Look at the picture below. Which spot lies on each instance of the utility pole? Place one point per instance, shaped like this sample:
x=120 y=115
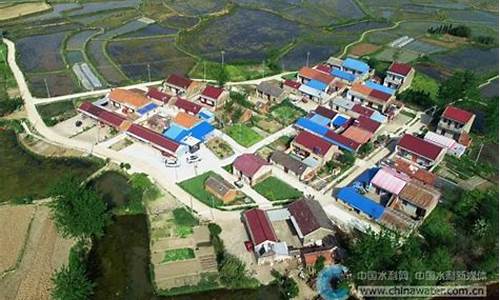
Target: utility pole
x=307 y=59
x=479 y=153
x=222 y=58
x=204 y=70
x=149 y=72
x=46 y=87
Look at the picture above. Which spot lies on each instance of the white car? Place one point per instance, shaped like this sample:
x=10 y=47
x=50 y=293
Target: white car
x=192 y=159
x=171 y=163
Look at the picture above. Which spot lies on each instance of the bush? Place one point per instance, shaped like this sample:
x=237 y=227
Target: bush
x=23 y=200
x=8 y=106
x=184 y=218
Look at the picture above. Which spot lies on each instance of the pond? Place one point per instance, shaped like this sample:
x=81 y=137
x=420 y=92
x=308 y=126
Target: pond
x=113 y=187
x=41 y=53
x=119 y=264
x=26 y=174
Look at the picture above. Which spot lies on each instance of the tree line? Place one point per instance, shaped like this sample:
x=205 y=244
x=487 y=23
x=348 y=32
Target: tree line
x=459 y=30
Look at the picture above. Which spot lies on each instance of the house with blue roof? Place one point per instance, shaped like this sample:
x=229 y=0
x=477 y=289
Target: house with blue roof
x=313 y=94
x=360 y=203
x=346 y=76
x=355 y=66
x=380 y=87
x=176 y=133
x=318 y=85
x=311 y=126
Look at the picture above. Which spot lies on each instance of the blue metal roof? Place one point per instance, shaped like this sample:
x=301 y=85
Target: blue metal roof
x=357 y=65
x=343 y=75
x=360 y=202
x=339 y=120
x=201 y=130
x=315 y=84
x=206 y=115
x=176 y=133
x=320 y=120
x=379 y=87
x=311 y=126
x=147 y=108
x=366 y=177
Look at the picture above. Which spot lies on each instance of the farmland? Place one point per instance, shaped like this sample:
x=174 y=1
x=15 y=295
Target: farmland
x=41 y=53
x=23 y=9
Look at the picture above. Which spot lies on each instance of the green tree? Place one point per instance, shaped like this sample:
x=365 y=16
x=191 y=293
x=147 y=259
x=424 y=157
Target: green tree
x=233 y=272
x=71 y=281
x=319 y=264
x=77 y=210
x=288 y=287
x=461 y=85
x=221 y=76
x=422 y=99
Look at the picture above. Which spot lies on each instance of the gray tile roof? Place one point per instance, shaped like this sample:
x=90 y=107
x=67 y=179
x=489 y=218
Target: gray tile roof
x=269 y=88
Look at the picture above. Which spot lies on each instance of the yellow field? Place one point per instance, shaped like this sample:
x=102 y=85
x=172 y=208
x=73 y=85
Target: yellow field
x=23 y=9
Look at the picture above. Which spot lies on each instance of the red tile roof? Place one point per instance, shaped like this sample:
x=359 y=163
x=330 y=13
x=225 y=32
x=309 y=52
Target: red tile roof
x=325 y=112
x=156 y=94
x=259 y=226
x=362 y=110
x=323 y=68
x=457 y=114
x=154 y=138
x=249 y=164
x=380 y=95
x=212 y=92
x=292 y=84
x=414 y=171
x=188 y=106
x=315 y=74
x=313 y=143
x=343 y=140
x=101 y=114
x=179 y=81
x=420 y=146
x=367 y=124
x=398 y=68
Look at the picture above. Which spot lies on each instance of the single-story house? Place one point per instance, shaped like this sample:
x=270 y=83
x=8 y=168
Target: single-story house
x=420 y=151
x=359 y=203
x=310 y=221
x=307 y=74
x=354 y=66
x=270 y=91
x=334 y=63
x=291 y=87
x=187 y=106
x=213 y=97
x=325 y=112
x=127 y=100
x=453 y=147
x=100 y=114
x=221 y=189
x=357 y=134
x=308 y=145
x=291 y=165
x=155 y=94
x=251 y=168
x=417 y=200
x=310 y=255
x=414 y=171
x=158 y=141
x=266 y=246
x=177 y=84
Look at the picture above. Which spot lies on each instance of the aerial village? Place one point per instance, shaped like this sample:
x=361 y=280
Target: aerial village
x=353 y=158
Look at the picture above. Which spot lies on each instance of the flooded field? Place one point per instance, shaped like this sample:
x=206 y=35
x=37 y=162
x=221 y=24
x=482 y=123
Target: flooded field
x=297 y=57
x=161 y=55
x=152 y=30
x=78 y=40
x=41 y=53
x=253 y=34
x=95 y=51
x=58 y=84
x=196 y=7
x=474 y=59
x=181 y=21
x=94 y=7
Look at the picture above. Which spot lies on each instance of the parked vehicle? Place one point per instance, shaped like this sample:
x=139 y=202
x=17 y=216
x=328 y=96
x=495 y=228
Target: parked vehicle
x=171 y=163
x=192 y=159
x=238 y=183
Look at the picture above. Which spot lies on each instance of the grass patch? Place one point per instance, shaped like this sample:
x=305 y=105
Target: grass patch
x=243 y=135
x=196 y=187
x=235 y=72
x=422 y=82
x=275 y=189
x=229 y=168
x=286 y=113
x=408 y=114
x=178 y=254
x=56 y=112
x=7 y=80
x=184 y=218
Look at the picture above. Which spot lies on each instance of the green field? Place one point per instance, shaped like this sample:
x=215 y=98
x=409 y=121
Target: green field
x=286 y=113
x=275 y=189
x=7 y=80
x=184 y=222
x=56 y=112
x=25 y=174
x=243 y=135
x=178 y=254
x=196 y=188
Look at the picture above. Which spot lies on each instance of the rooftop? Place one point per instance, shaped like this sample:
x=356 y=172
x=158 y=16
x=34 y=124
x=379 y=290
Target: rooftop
x=414 y=171
x=389 y=181
x=218 y=184
x=309 y=215
x=212 y=92
x=420 y=196
x=419 y=146
x=399 y=68
x=380 y=87
x=325 y=112
x=457 y=114
x=292 y=84
x=153 y=137
x=128 y=97
x=188 y=106
x=287 y=161
x=350 y=196
x=343 y=75
x=156 y=94
x=185 y=120
x=367 y=124
x=315 y=74
x=270 y=88
x=101 y=114
x=355 y=64
x=249 y=164
x=313 y=143
x=259 y=226
x=357 y=134
x=179 y=81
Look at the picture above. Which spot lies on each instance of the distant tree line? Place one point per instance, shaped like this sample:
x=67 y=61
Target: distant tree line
x=459 y=30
